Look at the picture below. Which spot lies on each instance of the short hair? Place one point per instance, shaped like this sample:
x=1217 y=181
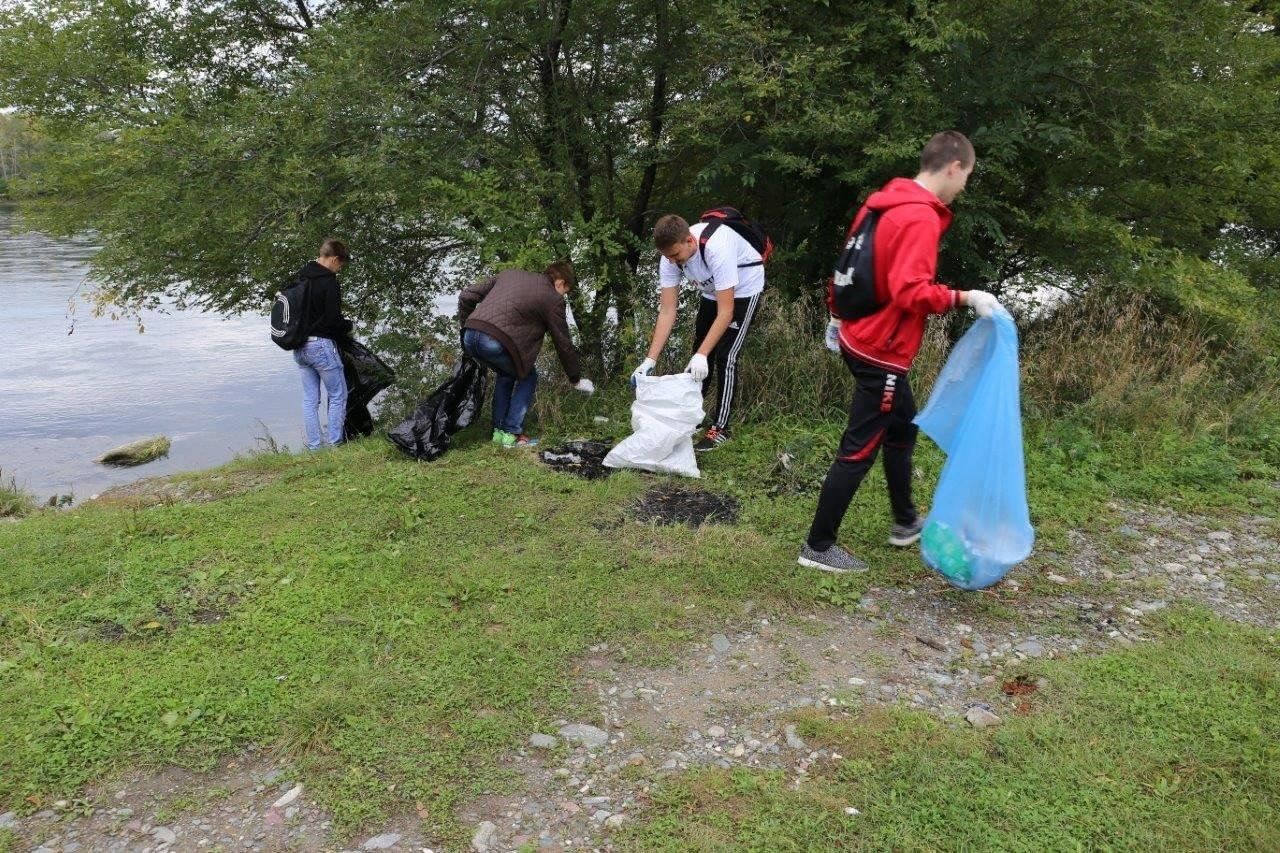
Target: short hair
x=562 y=270
x=332 y=247
x=668 y=231
x=946 y=148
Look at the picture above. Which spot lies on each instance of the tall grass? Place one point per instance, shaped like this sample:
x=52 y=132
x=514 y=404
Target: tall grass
x=1111 y=367
x=1120 y=370
x=14 y=501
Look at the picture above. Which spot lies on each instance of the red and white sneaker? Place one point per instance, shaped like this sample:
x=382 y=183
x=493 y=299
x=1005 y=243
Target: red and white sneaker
x=712 y=439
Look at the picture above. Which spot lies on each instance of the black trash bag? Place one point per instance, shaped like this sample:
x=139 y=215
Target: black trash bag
x=451 y=407
x=367 y=376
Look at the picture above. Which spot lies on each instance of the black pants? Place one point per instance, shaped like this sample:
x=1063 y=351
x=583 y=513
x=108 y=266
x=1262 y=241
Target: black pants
x=881 y=413
x=723 y=360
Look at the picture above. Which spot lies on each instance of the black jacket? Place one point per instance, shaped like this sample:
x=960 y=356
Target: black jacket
x=324 y=303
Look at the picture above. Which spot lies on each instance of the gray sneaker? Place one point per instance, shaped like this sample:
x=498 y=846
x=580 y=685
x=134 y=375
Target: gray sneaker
x=903 y=535
x=835 y=559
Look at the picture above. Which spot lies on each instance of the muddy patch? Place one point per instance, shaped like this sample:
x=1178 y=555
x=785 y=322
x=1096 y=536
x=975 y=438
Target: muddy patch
x=693 y=507
x=108 y=631
x=583 y=459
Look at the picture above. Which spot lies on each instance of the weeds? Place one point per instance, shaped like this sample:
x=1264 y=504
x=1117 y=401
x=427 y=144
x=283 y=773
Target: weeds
x=14 y=501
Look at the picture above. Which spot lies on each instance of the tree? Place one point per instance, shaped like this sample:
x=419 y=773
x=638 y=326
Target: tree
x=213 y=147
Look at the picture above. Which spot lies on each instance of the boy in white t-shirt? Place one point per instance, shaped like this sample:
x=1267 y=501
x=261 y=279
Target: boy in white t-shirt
x=730 y=274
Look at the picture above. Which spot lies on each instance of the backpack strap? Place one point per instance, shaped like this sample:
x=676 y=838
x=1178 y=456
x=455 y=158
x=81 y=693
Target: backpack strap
x=712 y=224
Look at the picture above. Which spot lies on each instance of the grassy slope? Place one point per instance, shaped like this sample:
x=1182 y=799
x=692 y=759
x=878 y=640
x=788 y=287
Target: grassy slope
x=394 y=627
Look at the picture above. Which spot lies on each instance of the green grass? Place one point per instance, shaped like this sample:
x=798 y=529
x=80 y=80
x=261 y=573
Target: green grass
x=1169 y=746
x=388 y=625
x=392 y=628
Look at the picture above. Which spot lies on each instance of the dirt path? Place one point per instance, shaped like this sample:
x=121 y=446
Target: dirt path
x=729 y=700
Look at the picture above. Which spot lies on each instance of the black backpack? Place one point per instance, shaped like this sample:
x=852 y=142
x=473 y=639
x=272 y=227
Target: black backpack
x=743 y=227
x=289 y=326
x=853 y=285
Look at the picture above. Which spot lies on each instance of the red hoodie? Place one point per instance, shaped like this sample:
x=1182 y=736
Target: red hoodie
x=912 y=222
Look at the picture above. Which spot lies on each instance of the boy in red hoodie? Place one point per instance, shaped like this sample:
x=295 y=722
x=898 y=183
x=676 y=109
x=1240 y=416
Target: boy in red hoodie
x=879 y=348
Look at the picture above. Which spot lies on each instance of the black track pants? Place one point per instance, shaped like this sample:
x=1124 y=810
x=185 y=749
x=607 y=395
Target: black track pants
x=881 y=413
x=723 y=362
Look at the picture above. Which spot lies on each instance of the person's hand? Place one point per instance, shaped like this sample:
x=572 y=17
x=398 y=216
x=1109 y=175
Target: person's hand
x=584 y=385
x=832 y=338
x=982 y=303
x=697 y=367
x=646 y=367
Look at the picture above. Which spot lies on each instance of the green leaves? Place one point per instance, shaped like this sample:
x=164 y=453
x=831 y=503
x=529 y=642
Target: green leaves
x=212 y=149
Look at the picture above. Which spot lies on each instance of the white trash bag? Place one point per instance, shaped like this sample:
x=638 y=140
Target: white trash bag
x=664 y=416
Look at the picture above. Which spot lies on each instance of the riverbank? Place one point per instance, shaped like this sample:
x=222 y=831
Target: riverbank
x=391 y=636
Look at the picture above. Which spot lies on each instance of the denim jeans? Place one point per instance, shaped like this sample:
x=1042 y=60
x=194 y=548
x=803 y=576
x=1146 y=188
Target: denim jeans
x=512 y=396
x=319 y=363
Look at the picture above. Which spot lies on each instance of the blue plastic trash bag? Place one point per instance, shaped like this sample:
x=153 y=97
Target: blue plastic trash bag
x=979 y=526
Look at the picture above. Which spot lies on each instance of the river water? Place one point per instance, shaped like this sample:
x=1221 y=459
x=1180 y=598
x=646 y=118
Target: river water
x=215 y=386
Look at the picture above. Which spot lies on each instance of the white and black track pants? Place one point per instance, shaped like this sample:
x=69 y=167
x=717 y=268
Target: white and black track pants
x=724 y=358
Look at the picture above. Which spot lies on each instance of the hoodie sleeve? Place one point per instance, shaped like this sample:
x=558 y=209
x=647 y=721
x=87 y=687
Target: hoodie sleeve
x=471 y=296
x=558 y=326
x=914 y=267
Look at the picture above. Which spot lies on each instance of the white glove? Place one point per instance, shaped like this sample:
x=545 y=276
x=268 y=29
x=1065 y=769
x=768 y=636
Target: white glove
x=832 y=337
x=697 y=367
x=982 y=303
x=584 y=385
x=646 y=367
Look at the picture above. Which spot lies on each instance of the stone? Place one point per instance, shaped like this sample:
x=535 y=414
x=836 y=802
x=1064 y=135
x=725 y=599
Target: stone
x=1128 y=532
x=9 y=820
x=940 y=679
x=1058 y=579
x=1030 y=648
x=981 y=718
x=486 y=837
x=793 y=740
x=541 y=741
x=585 y=734
x=720 y=643
x=1220 y=535
x=615 y=821
x=292 y=794
x=715 y=731
x=385 y=841
x=601 y=815
x=164 y=835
